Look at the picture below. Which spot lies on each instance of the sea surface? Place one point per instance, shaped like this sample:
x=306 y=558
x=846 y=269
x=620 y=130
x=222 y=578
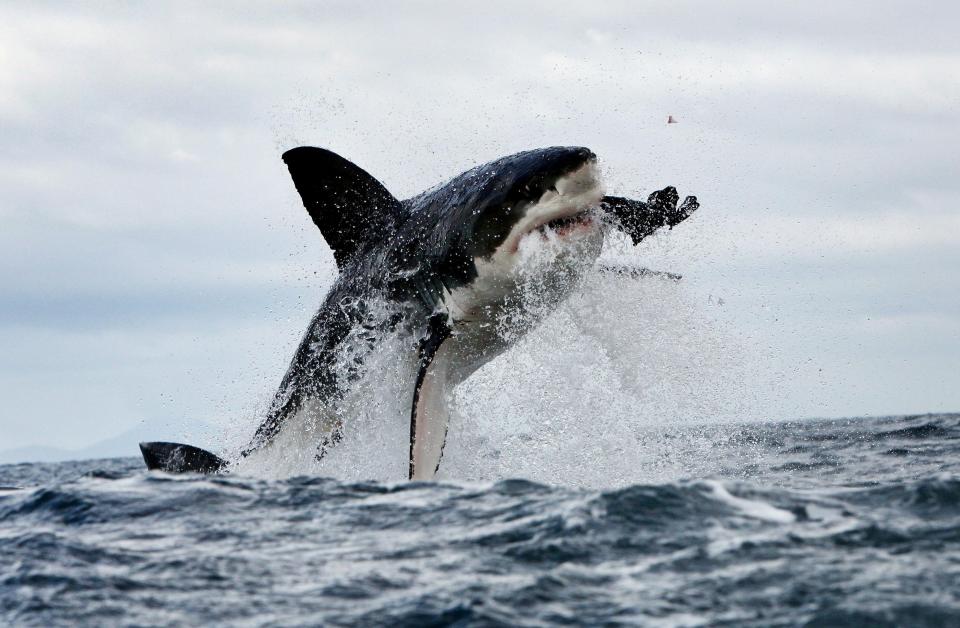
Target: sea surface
x=825 y=523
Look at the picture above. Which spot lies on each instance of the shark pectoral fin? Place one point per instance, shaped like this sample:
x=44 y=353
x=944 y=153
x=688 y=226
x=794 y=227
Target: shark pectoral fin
x=428 y=416
x=640 y=219
x=179 y=458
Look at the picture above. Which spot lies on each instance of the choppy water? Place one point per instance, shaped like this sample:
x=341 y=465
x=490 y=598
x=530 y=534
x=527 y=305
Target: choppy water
x=853 y=522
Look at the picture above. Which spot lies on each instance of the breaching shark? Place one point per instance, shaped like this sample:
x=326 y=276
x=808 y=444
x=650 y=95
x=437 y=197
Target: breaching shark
x=445 y=267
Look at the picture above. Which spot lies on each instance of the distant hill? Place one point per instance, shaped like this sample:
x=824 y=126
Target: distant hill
x=120 y=446
x=35 y=453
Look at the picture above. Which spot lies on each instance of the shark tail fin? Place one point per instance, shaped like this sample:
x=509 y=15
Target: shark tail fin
x=178 y=458
x=344 y=201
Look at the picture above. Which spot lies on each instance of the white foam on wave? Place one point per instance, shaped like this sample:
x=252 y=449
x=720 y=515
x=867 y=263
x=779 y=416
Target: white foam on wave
x=752 y=508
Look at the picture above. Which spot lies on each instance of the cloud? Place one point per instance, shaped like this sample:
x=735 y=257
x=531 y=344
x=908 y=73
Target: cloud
x=142 y=196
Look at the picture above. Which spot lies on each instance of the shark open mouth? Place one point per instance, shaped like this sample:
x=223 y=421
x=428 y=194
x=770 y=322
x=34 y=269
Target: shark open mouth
x=564 y=209
x=567 y=224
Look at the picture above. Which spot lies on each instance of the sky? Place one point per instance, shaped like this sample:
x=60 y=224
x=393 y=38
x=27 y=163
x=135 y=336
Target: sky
x=157 y=269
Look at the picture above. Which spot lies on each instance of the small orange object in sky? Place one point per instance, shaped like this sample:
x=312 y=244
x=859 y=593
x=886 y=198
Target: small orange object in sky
x=671 y=120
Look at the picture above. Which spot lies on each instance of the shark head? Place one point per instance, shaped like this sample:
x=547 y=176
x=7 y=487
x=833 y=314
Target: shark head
x=528 y=194
x=488 y=220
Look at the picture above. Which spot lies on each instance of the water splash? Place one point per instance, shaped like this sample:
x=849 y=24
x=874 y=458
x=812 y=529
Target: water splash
x=624 y=383
x=614 y=388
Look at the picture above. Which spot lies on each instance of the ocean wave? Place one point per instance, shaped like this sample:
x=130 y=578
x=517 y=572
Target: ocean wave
x=874 y=540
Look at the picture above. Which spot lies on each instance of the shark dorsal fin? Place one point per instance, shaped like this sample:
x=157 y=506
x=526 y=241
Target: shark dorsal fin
x=344 y=201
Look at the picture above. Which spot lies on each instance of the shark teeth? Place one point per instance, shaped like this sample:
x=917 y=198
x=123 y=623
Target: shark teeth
x=563 y=223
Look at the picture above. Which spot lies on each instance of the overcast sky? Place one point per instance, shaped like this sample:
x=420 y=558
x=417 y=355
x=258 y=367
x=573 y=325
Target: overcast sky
x=157 y=269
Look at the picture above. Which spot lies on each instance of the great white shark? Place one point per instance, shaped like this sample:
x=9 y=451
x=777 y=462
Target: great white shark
x=445 y=267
